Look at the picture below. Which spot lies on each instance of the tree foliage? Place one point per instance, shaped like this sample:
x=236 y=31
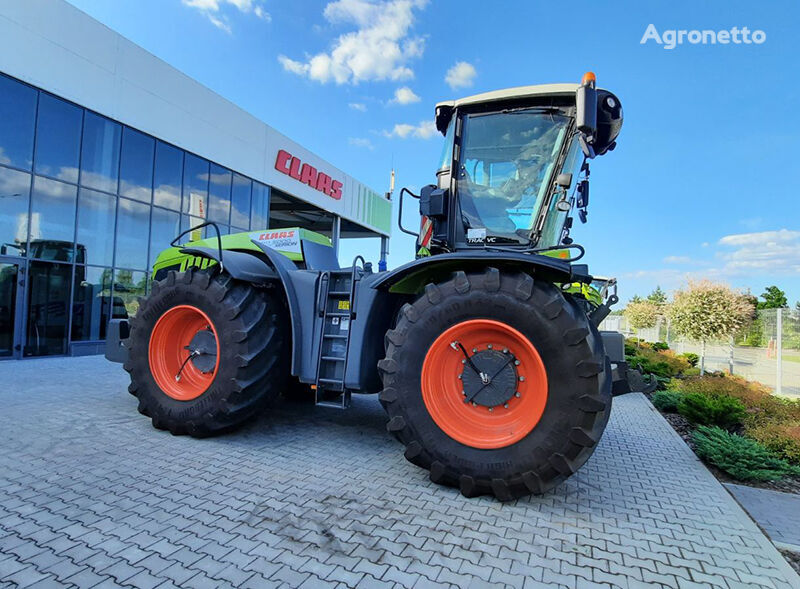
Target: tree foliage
x=707 y=311
x=642 y=314
x=658 y=296
x=774 y=298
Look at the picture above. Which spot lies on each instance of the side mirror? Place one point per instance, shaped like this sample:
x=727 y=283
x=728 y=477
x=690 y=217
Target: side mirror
x=564 y=180
x=433 y=201
x=586 y=106
x=583 y=194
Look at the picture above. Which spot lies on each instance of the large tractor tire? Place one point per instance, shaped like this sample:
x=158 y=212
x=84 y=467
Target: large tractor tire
x=206 y=352
x=497 y=383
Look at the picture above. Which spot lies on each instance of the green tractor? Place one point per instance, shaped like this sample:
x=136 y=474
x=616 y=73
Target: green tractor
x=485 y=349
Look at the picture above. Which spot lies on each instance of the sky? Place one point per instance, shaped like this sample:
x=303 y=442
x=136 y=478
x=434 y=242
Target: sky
x=702 y=183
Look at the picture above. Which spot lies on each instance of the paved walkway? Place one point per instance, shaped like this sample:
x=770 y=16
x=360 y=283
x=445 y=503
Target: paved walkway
x=777 y=513
x=91 y=494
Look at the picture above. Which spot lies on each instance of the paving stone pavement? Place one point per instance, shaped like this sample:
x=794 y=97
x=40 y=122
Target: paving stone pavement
x=92 y=495
x=777 y=513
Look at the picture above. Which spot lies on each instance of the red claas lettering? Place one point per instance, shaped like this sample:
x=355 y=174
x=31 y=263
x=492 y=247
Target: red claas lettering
x=290 y=165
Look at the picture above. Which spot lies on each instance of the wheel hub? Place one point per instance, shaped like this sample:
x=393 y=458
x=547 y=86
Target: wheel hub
x=203 y=350
x=495 y=380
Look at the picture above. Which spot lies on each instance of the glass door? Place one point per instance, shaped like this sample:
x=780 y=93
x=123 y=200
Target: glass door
x=10 y=301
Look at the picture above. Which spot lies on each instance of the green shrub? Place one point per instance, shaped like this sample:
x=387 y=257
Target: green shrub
x=740 y=457
x=707 y=410
x=660 y=346
x=781 y=438
x=666 y=401
x=691 y=358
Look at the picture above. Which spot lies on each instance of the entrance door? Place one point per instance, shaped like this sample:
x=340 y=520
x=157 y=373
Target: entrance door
x=10 y=304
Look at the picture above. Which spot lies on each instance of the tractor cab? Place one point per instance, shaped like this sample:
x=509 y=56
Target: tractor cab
x=514 y=166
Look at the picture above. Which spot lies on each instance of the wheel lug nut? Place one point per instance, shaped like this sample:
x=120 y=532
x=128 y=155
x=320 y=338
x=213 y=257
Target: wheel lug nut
x=474 y=350
x=516 y=362
x=505 y=405
x=464 y=393
x=459 y=377
x=521 y=378
x=516 y=394
x=474 y=404
x=489 y=347
x=505 y=350
x=464 y=361
x=491 y=409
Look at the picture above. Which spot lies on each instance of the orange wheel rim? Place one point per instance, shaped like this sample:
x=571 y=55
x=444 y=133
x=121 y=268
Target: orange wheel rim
x=521 y=396
x=174 y=353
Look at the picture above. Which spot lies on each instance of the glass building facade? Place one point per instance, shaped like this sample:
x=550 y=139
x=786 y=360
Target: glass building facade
x=86 y=204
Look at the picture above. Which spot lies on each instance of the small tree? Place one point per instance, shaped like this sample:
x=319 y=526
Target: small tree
x=658 y=296
x=642 y=314
x=774 y=298
x=707 y=311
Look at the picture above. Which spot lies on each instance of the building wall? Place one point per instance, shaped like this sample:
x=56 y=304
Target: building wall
x=54 y=46
x=86 y=204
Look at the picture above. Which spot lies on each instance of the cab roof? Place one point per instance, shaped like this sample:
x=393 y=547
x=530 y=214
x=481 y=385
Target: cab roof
x=519 y=92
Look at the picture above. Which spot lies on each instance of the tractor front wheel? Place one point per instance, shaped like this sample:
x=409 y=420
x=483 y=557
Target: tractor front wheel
x=496 y=383
x=206 y=352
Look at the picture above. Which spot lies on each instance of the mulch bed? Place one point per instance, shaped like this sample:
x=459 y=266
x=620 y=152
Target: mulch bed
x=793 y=558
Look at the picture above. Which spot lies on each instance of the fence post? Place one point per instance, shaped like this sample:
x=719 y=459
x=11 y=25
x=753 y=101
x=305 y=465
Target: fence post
x=779 y=349
x=730 y=355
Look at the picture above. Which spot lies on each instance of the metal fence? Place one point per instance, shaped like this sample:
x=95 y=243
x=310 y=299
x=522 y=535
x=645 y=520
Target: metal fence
x=768 y=351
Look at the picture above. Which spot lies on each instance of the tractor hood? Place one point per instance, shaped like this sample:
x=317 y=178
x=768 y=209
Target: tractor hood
x=285 y=241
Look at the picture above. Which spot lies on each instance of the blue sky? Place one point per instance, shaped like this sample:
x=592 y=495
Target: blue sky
x=703 y=182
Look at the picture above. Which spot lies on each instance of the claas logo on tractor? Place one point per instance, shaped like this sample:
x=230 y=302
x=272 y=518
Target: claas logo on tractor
x=493 y=381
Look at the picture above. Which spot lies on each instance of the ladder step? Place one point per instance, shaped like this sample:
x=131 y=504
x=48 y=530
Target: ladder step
x=334 y=336
x=335 y=381
x=338 y=313
x=339 y=293
x=333 y=358
x=342 y=402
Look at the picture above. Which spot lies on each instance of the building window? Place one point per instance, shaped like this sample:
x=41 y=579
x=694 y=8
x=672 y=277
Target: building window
x=164 y=227
x=96 y=211
x=195 y=186
x=240 y=202
x=259 y=218
x=128 y=287
x=48 y=308
x=167 y=176
x=91 y=305
x=52 y=222
x=58 y=138
x=14 y=197
x=17 y=119
x=219 y=194
x=136 y=165
x=100 y=153
x=133 y=225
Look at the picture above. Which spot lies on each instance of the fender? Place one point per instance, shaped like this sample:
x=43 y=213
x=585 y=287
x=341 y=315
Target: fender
x=298 y=285
x=239 y=265
x=411 y=278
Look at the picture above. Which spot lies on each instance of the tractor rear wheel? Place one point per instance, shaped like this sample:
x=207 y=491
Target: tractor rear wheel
x=496 y=383
x=206 y=352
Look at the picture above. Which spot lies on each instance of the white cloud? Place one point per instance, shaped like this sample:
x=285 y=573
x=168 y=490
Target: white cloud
x=361 y=142
x=213 y=10
x=379 y=48
x=461 y=75
x=360 y=106
x=404 y=95
x=761 y=238
x=677 y=260
x=424 y=130
x=773 y=252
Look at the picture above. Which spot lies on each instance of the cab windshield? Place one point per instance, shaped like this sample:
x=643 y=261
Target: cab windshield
x=507 y=159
